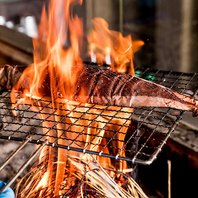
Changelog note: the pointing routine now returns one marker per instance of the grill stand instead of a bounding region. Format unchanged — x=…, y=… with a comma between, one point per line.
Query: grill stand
x=23, y=167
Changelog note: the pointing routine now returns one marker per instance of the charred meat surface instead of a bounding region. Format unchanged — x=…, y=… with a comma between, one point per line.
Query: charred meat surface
x=105, y=87
x=110, y=88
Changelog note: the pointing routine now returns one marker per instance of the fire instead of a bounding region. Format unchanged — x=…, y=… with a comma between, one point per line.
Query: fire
x=56, y=68
x=110, y=47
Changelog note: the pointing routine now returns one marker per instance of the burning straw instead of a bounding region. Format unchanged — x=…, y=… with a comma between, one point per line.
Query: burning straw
x=58, y=173
x=89, y=180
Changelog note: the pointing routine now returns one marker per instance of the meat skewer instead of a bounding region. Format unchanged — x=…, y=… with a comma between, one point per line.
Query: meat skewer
x=105, y=87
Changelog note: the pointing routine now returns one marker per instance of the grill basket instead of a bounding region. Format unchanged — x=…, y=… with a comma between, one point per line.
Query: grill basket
x=146, y=129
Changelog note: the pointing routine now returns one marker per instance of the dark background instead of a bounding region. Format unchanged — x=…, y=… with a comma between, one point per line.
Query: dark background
x=168, y=28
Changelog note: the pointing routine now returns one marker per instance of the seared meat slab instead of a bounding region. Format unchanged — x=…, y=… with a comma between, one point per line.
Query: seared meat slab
x=105, y=87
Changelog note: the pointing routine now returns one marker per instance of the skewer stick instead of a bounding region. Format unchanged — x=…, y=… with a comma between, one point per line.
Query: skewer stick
x=60, y=100
x=169, y=178
x=86, y=105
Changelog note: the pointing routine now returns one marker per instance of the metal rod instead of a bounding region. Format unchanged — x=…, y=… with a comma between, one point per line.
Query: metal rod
x=169, y=178
x=9, y=183
x=15, y=153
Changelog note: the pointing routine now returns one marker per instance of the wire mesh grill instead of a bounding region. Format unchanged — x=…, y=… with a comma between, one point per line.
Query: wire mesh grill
x=122, y=133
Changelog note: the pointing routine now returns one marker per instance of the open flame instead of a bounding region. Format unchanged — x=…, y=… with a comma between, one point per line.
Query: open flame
x=110, y=47
x=56, y=51
x=57, y=62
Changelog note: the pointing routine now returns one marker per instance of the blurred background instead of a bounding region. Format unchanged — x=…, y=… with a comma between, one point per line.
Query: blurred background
x=168, y=28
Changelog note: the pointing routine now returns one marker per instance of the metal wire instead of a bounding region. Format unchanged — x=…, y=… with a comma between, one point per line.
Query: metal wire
x=68, y=124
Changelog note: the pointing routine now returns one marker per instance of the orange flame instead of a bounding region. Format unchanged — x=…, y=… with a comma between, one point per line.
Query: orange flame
x=57, y=61
x=110, y=47
x=56, y=51
x=56, y=68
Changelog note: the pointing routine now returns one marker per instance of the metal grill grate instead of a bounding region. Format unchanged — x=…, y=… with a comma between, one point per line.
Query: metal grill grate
x=68, y=124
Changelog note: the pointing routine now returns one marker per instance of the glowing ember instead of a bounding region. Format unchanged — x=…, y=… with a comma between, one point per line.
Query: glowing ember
x=57, y=58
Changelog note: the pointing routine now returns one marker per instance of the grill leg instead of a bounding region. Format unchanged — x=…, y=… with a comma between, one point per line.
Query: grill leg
x=15, y=153
x=9, y=183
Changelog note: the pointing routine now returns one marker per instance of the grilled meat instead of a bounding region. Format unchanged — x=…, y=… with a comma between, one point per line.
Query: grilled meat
x=110, y=88
x=105, y=87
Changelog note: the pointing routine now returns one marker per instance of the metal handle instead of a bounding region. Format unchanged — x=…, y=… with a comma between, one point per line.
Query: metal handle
x=9, y=183
x=15, y=153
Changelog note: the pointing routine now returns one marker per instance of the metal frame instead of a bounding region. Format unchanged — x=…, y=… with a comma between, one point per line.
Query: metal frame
x=24, y=166
x=153, y=126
